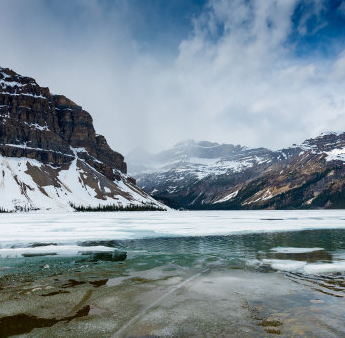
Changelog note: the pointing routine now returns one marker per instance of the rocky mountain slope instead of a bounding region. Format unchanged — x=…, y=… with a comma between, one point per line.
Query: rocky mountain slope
x=50, y=155
x=204, y=175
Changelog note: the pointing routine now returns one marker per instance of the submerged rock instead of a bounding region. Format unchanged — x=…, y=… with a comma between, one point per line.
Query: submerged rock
x=112, y=256
x=24, y=323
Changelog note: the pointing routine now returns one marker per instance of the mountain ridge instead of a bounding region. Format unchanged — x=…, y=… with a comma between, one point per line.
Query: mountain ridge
x=51, y=156
x=249, y=178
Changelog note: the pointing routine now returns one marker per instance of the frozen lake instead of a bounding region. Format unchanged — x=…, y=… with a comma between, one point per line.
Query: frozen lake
x=72, y=234
x=246, y=273
x=70, y=228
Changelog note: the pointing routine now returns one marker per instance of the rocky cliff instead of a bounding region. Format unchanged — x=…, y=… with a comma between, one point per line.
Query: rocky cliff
x=47, y=140
x=204, y=175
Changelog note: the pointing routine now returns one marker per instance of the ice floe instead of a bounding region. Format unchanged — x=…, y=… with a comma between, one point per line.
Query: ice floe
x=288, y=250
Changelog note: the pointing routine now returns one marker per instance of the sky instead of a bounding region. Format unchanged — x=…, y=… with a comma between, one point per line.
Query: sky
x=154, y=72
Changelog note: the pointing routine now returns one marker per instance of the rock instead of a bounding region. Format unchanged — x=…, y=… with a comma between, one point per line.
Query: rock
x=203, y=175
x=113, y=256
x=59, y=134
x=37, y=124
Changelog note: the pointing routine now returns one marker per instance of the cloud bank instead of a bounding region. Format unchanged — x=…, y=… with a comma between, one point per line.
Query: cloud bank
x=235, y=76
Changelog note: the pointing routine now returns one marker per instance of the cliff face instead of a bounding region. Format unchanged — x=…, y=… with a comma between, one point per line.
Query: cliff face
x=53, y=132
x=39, y=125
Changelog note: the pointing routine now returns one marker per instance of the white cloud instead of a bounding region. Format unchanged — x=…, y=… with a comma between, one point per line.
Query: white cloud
x=232, y=80
x=245, y=86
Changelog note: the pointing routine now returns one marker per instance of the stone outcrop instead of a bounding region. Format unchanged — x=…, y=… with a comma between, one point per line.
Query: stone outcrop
x=51, y=157
x=37, y=124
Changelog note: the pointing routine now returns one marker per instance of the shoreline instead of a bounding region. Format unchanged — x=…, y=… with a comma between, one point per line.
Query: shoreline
x=167, y=302
x=211, y=274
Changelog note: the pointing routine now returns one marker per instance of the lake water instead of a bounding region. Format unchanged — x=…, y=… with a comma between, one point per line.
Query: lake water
x=187, y=274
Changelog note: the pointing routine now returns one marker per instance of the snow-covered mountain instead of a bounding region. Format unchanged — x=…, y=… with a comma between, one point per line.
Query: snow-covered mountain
x=51, y=157
x=189, y=162
x=205, y=175
x=198, y=159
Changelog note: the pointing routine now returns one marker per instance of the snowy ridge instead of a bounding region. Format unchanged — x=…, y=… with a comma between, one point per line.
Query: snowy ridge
x=206, y=175
x=27, y=184
x=191, y=160
x=51, y=158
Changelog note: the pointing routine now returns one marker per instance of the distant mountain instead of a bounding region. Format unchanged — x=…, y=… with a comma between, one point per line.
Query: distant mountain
x=205, y=175
x=50, y=155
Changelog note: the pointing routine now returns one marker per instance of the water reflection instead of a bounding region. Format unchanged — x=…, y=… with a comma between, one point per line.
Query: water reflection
x=233, y=251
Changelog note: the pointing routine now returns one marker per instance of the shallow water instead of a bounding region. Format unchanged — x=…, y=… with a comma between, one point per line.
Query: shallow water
x=285, y=277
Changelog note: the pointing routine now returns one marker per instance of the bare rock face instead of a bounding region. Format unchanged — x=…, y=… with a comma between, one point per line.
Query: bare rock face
x=37, y=124
x=50, y=155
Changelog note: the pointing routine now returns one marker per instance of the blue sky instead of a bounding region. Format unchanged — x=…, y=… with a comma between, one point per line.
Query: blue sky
x=318, y=27
x=324, y=34
x=153, y=72
x=157, y=24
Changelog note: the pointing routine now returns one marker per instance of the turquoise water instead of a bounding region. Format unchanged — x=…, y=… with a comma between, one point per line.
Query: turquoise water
x=233, y=251
x=244, y=285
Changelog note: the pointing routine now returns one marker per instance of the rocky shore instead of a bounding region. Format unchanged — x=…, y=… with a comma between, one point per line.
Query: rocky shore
x=166, y=301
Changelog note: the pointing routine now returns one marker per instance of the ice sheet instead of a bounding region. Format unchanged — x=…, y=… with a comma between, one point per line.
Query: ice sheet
x=71, y=228
x=61, y=250
x=302, y=266
x=285, y=264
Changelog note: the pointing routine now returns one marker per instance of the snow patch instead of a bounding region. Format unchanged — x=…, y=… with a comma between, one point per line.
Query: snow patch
x=336, y=154
x=19, y=191
x=228, y=197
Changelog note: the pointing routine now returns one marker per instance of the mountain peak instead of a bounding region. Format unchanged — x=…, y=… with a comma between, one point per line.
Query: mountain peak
x=204, y=176
x=194, y=143
x=61, y=158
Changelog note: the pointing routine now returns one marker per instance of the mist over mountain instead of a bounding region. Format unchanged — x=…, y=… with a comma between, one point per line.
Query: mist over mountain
x=206, y=175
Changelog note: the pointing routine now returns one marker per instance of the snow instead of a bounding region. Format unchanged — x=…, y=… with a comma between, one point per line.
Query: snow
x=267, y=195
x=227, y=197
x=336, y=154
x=78, y=150
x=199, y=167
x=289, y=250
x=18, y=190
x=24, y=94
x=325, y=133
x=61, y=233
x=262, y=197
x=4, y=83
x=24, y=146
x=37, y=126
x=204, y=161
x=70, y=228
